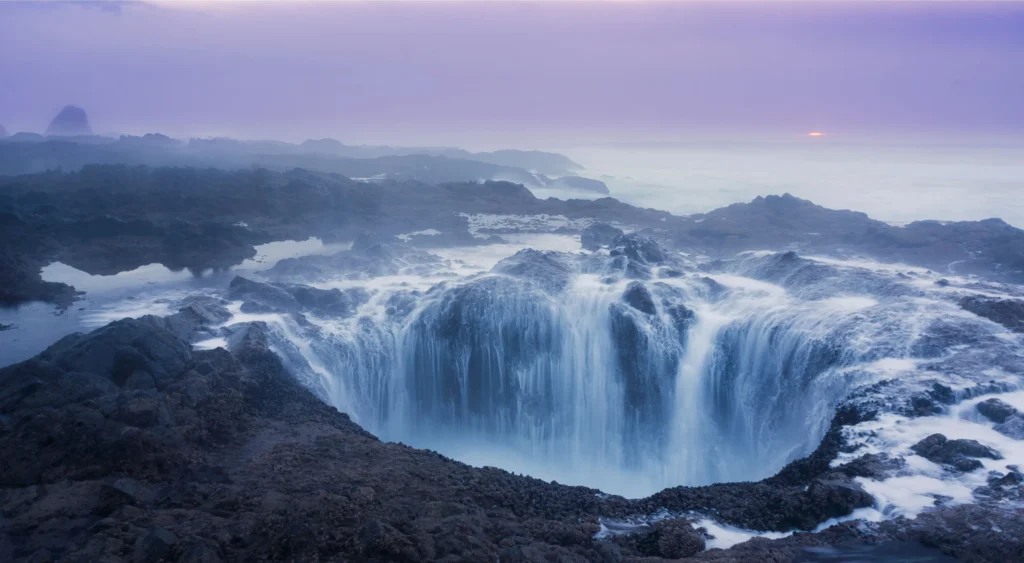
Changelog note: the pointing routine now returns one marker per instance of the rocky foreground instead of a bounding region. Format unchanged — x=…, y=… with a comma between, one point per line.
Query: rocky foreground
x=126, y=444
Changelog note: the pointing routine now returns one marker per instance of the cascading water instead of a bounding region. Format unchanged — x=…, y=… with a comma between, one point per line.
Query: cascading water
x=624, y=385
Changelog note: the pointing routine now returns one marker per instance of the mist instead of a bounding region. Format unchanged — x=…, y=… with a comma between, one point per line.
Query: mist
x=529, y=74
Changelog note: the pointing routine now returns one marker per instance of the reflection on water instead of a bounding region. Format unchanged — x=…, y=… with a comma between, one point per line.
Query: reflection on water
x=266, y=256
x=151, y=289
x=82, y=281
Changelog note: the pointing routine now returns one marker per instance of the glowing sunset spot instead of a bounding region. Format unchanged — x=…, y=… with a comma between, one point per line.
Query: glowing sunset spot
x=815, y=134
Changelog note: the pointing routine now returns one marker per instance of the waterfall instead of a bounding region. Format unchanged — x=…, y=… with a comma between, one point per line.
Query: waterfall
x=624, y=385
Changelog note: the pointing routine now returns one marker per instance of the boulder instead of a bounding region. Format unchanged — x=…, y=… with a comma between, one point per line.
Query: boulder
x=638, y=248
x=598, y=235
x=959, y=455
x=638, y=297
x=995, y=410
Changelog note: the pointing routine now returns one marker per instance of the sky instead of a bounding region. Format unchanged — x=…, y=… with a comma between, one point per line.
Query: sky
x=479, y=72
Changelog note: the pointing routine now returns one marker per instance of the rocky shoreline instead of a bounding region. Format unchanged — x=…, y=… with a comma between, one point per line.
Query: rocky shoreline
x=125, y=444
x=107, y=219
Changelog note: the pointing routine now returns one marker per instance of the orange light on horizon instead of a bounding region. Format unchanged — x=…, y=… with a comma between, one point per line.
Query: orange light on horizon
x=815, y=134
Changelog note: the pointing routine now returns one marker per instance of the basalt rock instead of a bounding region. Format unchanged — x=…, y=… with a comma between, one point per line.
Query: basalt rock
x=995, y=410
x=226, y=457
x=1007, y=312
x=598, y=235
x=960, y=455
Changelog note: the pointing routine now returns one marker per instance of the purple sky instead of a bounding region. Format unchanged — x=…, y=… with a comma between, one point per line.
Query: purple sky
x=481, y=72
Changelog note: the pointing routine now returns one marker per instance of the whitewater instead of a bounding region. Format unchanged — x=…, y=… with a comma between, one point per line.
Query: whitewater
x=630, y=368
x=561, y=365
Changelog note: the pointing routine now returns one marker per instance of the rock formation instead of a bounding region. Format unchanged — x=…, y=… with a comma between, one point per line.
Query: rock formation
x=70, y=122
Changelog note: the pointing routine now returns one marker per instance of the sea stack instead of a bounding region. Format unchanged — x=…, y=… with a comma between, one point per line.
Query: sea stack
x=70, y=122
x=3, y=132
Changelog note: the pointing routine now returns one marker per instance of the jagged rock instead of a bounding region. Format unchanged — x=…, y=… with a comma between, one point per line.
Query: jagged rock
x=1011, y=479
x=266, y=297
x=957, y=454
x=1013, y=427
x=92, y=487
x=943, y=394
x=261, y=297
x=3, y=132
x=599, y=234
x=638, y=297
x=872, y=466
x=547, y=269
x=70, y=122
x=205, y=310
x=638, y=248
x=996, y=410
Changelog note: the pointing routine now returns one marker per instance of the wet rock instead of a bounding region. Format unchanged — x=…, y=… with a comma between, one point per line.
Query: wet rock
x=598, y=235
x=942, y=394
x=155, y=546
x=682, y=317
x=995, y=410
x=923, y=405
x=294, y=298
x=547, y=269
x=638, y=297
x=1011, y=479
x=205, y=310
x=263, y=296
x=957, y=454
x=1013, y=427
x=1007, y=312
x=400, y=304
x=872, y=466
x=638, y=248
x=255, y=467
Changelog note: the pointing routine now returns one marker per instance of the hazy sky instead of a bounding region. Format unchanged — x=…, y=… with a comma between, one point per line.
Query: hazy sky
x=493, y=72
